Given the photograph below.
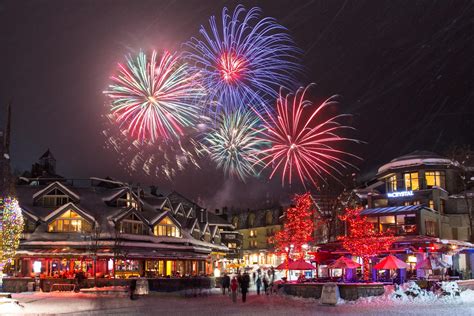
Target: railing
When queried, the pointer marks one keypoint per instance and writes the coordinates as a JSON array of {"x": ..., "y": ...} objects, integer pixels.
[{"x": 63, "y": 287}]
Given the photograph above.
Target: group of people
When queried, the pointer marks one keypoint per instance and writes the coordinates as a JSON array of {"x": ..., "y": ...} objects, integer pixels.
[{"x": 241, "y": 283}]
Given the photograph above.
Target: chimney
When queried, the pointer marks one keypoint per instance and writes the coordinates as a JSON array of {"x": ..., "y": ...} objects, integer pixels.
[{"x": 153, "y": 190}]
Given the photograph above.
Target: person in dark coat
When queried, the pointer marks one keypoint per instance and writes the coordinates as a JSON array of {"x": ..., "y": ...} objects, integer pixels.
[
  {"x": 133, "y": 286},
  {"x": 258, "y": 283},
  {"x": 265, "y": 284},
  {"x": 244, "y": 285},
  {"x": 225, "y": 283}
]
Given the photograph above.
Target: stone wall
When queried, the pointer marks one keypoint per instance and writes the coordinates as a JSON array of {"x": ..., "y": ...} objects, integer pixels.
[
  {"x": 16, "y": 285},
  {"x": 347, "y": 291}
]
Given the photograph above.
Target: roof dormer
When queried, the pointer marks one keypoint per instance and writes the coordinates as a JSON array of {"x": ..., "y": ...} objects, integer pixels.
[{"x": 54, "y": 195}]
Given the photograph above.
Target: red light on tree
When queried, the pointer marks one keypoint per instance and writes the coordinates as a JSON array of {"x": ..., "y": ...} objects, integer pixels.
[
  {"x": 231, "y": 66},
  {"x": 362, "y": 240},
  {"x": 298, "y": 227}
]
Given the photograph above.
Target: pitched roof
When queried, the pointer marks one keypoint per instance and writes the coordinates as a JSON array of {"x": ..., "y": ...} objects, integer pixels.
[{"x": 57, "y": 185}]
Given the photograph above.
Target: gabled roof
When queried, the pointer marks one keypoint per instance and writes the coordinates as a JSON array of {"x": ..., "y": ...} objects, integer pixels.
[
  {"x": 115, "y": 195},
  {"x": 66, "y": 207},
  {"x": 29, "y": 214},
  {"x": 126, "y": 212},
  {"x": 56, "y": 185},
  {"x": 158, "y": 218}
]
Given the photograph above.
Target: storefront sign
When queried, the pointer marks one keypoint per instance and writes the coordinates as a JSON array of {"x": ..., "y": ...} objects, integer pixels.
[{"x": 399, "y": 194}]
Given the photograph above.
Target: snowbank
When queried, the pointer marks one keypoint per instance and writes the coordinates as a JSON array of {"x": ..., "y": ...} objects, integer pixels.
[{"x": 9, "y": 306}]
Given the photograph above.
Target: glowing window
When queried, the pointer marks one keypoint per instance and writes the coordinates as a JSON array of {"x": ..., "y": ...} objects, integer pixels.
[
  {"x": 166, "y": 227},
  {"x": 251, "y": 220},
  {"x": 70, "y": 221},
  {"x": 411, "y": 181},
  {"x": 269, "y": 218},
  {"x": 435, "y": 178},
  {"x": 392, "y": 183},
  {"x": 132, "y": 225},
  {"x": 235, "y": 222}
]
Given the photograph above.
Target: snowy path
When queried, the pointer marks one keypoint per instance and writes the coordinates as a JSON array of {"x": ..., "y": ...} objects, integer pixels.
[{"x": 84, "y": 304}]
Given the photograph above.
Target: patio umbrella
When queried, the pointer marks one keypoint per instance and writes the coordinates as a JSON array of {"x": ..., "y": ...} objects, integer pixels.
[
  {"x": 301, "y": 265},
  {"x": 391, "y": 263},
  {"x": 284, "y": 265},
  {"x": 344, "y": 263},
  {"x": 431, "y": 263}
]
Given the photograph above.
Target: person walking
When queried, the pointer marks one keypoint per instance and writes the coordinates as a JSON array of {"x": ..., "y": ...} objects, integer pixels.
[
  {"x": 239, "y": 280},
  {"x": 133, "y": 286},
  {"x": 234, "y": 285},
  {"x": 265, "y": 284},
  {"x": 225, "y": 283},
  {"x": 258, "y": 283},
  {"x": 244, "y": 285}
]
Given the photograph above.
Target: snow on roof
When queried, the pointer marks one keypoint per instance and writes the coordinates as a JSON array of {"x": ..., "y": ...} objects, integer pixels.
[
  {"x": 67, "y": 206},
  {"x": 51, "y": 186},
  {"x": 416, "y": 158}
]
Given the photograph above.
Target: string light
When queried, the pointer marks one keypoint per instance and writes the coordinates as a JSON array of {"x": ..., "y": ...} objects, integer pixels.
[
  {"x": 363, "y": 241},
  {"x": 11, "y": 227}
]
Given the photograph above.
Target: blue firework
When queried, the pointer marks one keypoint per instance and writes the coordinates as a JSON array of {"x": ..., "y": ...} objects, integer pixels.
[{"x": 245, "y": 60}]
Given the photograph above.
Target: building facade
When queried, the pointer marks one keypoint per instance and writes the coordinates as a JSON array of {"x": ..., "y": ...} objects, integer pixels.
[
  {"x": 417, "y": 198},
  {"x": 108, "y": 228},
  {"x": 257, "y": 228}
]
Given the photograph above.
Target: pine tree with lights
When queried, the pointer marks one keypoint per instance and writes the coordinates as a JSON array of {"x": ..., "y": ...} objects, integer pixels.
[
  {"x": 11, "y": 227},
  {"x": 362, "y": 240},
  {"x": 298, "y": 227}
]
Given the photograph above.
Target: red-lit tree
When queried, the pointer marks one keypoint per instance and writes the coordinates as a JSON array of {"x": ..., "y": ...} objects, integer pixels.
[
  {"x": 362, "y": 239},
  {"x": 298, "y": 227}
]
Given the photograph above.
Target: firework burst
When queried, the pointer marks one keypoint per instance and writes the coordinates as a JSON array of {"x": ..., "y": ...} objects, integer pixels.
[
  {"x": 234, "y": 143},
  {"x": 161, "y": 159},
  {"x": 245, "y": 60},
  {"x": 305, "y": 147},
  {"x": 154, "y": 98}
]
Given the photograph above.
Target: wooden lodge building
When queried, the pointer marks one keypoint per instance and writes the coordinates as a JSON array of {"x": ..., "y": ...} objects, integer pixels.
[{"x": 109, "y": 228}]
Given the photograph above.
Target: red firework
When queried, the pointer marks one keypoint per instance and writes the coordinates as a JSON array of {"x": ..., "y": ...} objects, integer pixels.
[
  {"x": 307, "y": 147},
  {"x": 231, "y": 67}
]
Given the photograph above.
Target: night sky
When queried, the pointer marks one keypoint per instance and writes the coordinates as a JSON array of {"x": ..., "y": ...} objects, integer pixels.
[{"x": 403, "y": 68}]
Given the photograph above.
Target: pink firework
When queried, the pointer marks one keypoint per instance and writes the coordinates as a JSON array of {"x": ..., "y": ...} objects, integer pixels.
[
  {"x": 155, "y": 98},
  {"x": 306, "y": 148}
]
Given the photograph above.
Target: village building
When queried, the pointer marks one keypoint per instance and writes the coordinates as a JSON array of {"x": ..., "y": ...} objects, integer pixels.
[
  {"x": 420, "y": 198},
  {"x": 110, "y": 229}
]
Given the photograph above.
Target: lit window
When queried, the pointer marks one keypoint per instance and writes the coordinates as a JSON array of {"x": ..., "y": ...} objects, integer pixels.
[
  {"x": 253, "y": 233},
  {"x": 54, "y": 198},
  {"x": 431, "y": 204},
  {"x": 166, "y": 227},
  {"x": 251, "y": 220},
  {"x": 411, "y": 181},
  {"x": 435, "y": 178},
  {"x": 253, "y": 244},
  {"x": 392, "y": 183},
  {"x": 133, "y": 225},
  {"x": 235, "y": 222},
  {"x": 232, "y": 245},
  {"x": 269, "y": 218},
  {"x": 430, "y": 227},
  {"x": 70, "y": 221},
  {"x": 442, "y": 205}
]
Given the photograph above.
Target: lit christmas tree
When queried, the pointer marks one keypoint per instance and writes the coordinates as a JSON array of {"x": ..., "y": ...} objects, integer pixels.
[
  {"x": 11, "y": 226},
  {"x": 362, "y": 240},
  {"x": 298, "y": 227}
]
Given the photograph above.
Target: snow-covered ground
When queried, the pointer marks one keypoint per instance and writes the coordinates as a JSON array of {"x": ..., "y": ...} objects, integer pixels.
[{"x": 217, "y": 304}]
